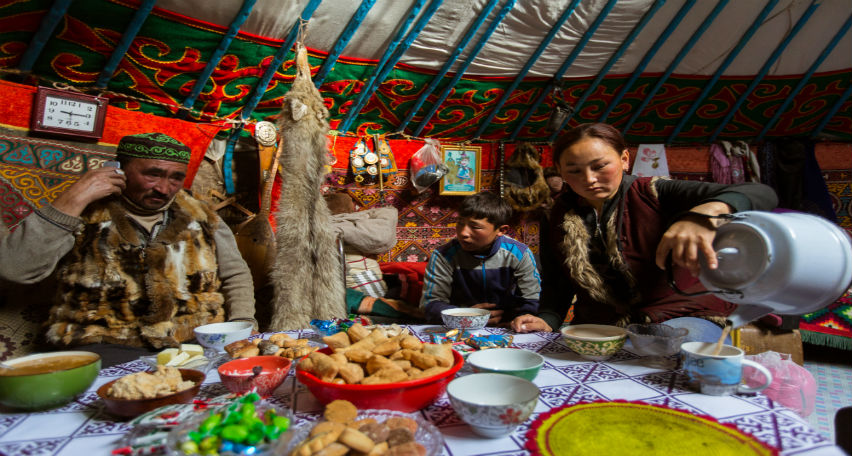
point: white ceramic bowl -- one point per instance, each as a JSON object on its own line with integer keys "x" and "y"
{"x": 512, "y": 361}
{"x": 217, "y": 335}
{"x": 465, "y": 318}
{"x": 594, "y": 342}
{"x": 493, "y": 404}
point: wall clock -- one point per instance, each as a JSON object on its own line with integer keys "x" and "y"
{"x": 67, "y": 113}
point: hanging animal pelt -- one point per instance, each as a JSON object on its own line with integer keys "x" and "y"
{"x": 526, "y": 188}
{"x": 307, "y": 275}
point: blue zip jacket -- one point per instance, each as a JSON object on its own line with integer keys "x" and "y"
{"x": 507, "y": 276}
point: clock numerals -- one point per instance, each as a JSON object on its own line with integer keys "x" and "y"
{"x": 68, "y": 113}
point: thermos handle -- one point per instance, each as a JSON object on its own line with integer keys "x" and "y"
{"x": 670, "y": 266}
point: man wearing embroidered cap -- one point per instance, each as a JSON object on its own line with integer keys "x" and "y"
{"x": 137, "y": 261}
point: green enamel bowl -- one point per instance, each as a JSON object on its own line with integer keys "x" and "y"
{"x": 48, "y": 389}
{"x": 510, "y": 361}
{"x": 594, "y": 342}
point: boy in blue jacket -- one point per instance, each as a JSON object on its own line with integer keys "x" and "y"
{"x": 482, "y": 267}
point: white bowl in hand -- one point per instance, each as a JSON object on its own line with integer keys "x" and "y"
{"x": 217, "y": 335}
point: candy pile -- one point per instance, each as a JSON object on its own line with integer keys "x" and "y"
{"x": 464, "y": 342}
{"x": 236, "y": 429}
{"x": 334, "y": 326}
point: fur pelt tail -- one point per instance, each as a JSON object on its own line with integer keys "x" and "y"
{"x": 307, "y": 277}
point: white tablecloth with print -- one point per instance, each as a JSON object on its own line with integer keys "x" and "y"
{"x": 84, "y": 428}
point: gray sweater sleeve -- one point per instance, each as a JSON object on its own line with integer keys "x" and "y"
{"x": 237, "y": 285}
{"x": 30, "y": 253}
{"x": 437, "y": 285}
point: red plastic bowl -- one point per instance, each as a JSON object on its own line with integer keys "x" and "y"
{"x": 405, "y": 396}
{"x": 239, "y": 377}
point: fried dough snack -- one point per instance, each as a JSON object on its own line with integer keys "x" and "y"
{"x": 277, "y": 345}
{"x": 370, "y": 358}
{"x": 340, "y": 435}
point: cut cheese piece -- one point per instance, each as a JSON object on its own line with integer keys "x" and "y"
{"x": 178, "y": 359}
{"x": 165, "y": 356}
{"x": 195, "y": 360}
{"x": 192, "y": 349}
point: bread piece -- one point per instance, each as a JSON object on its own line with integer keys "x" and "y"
{"x": 248, "y": 351}
{"x": 422, "y": 360}
{"x": 351, "y": 373}
{"x": 338, "y": 340}
{"x": 358, "y": 355}
{"x": 280, "y": 338}
{"x": 378, "y": 362}
{"x": 411, "y": 342}
{"x": 387, "y": 348}
{"x": 357, "y": 332}
{"x": 387, "y": 375}
{"x": 444, "y": 353}
{"x": 324, "y": 366}
{"x": 235, "y": 347}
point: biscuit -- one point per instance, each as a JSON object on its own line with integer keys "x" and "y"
{"x": 340, "y": 411}
{"x": 380, "y": 449}
{"x": 377, "y": 432}
{"x": 327, "y": 427}
{"x": 396, "y": 422}
{"x": 399, "y": 436}
{"x": 356, "y": 440}
{"x": 333, "y": 449}
{"x": 407, "y": 449}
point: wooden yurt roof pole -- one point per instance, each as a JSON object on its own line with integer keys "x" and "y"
{"x": 217, "y": 55}
{"x": 374, "y": 83}
{"x": 526, "y": 68}
{"x": 45, "y": 30}
{"x": 507, "y": 7}
{"x": 400, "y": 33}
{"x": 259, "y": 90}
{"x": 468, "y": 36}
{"x": 674, "y": 63}
{"x": 803, "y": 19}
{"x": 124, "y": 43}
{"x": 647, "y": 58}
{"x": 557, "y": 77}
{"x": 758, "y": 21}
{"x": 614, "y": 58}
{"x": 346, "y": 35}
{"x": 833, "y": 110}
{"x": 823, "y": 55}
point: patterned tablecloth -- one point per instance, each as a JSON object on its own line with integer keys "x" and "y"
{"x": 84, "y": 428}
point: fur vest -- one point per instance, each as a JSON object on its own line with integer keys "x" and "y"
{"x": 632, "y": 232}
{"x": 115, "y": 289}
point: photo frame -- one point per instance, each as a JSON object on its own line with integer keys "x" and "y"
{"x": 465, "y": 164}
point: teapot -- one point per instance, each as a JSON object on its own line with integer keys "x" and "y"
{"x": 787, "y": 263}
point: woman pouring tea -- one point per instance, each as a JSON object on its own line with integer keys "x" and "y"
{"x": 604, "y": 250}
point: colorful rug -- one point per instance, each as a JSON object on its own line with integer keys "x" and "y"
{"x": 831, "y": 326}
{"x": 636, "y": 428}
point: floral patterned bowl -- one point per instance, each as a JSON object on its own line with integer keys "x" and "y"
{"x": 465, "y": 318}
{"x": 217, "y": 335}
{"x": 594, "y": 342}
{"x": 493, "y": 404}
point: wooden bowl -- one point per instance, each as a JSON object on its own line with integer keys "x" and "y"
{"x": 128, "y": 408}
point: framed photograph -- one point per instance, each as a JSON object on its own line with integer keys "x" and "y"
{"x": 465, "y": 163}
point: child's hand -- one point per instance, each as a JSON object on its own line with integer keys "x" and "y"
{"x": 496, "y": 315}
{"x": 529, "y": 323}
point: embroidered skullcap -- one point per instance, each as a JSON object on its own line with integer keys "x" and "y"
{"x": 153, "y": 145}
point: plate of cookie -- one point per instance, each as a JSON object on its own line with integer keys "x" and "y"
{"x": 371, "y": 370}
{"x": 278, "y": 344}
{"x": 346, "y": 430}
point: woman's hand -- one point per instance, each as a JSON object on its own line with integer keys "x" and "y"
{"x": 529, "y": 323}
{"x": 691, "y": 235}
{"x": 496, "y": 315}
{"x": 94, "y": 185}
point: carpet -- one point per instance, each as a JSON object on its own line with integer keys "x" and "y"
{"x": 831, "y": 326}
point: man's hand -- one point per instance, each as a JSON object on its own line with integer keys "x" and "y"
{"x": 529, "y": 323}
{"x": 496, "y": 315}
{"x": 94, "y": 185}
{"x": 690, "y": 235}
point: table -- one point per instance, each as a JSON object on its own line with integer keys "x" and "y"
{"x": 83, "y": 428}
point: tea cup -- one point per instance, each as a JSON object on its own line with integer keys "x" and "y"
{"x": 719, "y": 375}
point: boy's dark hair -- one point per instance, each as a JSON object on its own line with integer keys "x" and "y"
{"x": 488, "y": 206}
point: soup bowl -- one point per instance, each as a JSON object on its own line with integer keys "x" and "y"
{"x": 465, "y": 318}
{"x": 594, "y": 342}
{"x": 493, "y": 404}
{"x": 511, "y": 361}
{"x": 46, "y": 380}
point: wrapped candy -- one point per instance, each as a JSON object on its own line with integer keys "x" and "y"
{"x": 490, "y": 341}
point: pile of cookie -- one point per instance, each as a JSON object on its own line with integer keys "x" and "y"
{"x": 371, "y": 357}
{"x": 342, "y": 434}
{"x": 277, "y": 345}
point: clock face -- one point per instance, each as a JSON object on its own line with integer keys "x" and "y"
{"x": 69, "y": 114}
